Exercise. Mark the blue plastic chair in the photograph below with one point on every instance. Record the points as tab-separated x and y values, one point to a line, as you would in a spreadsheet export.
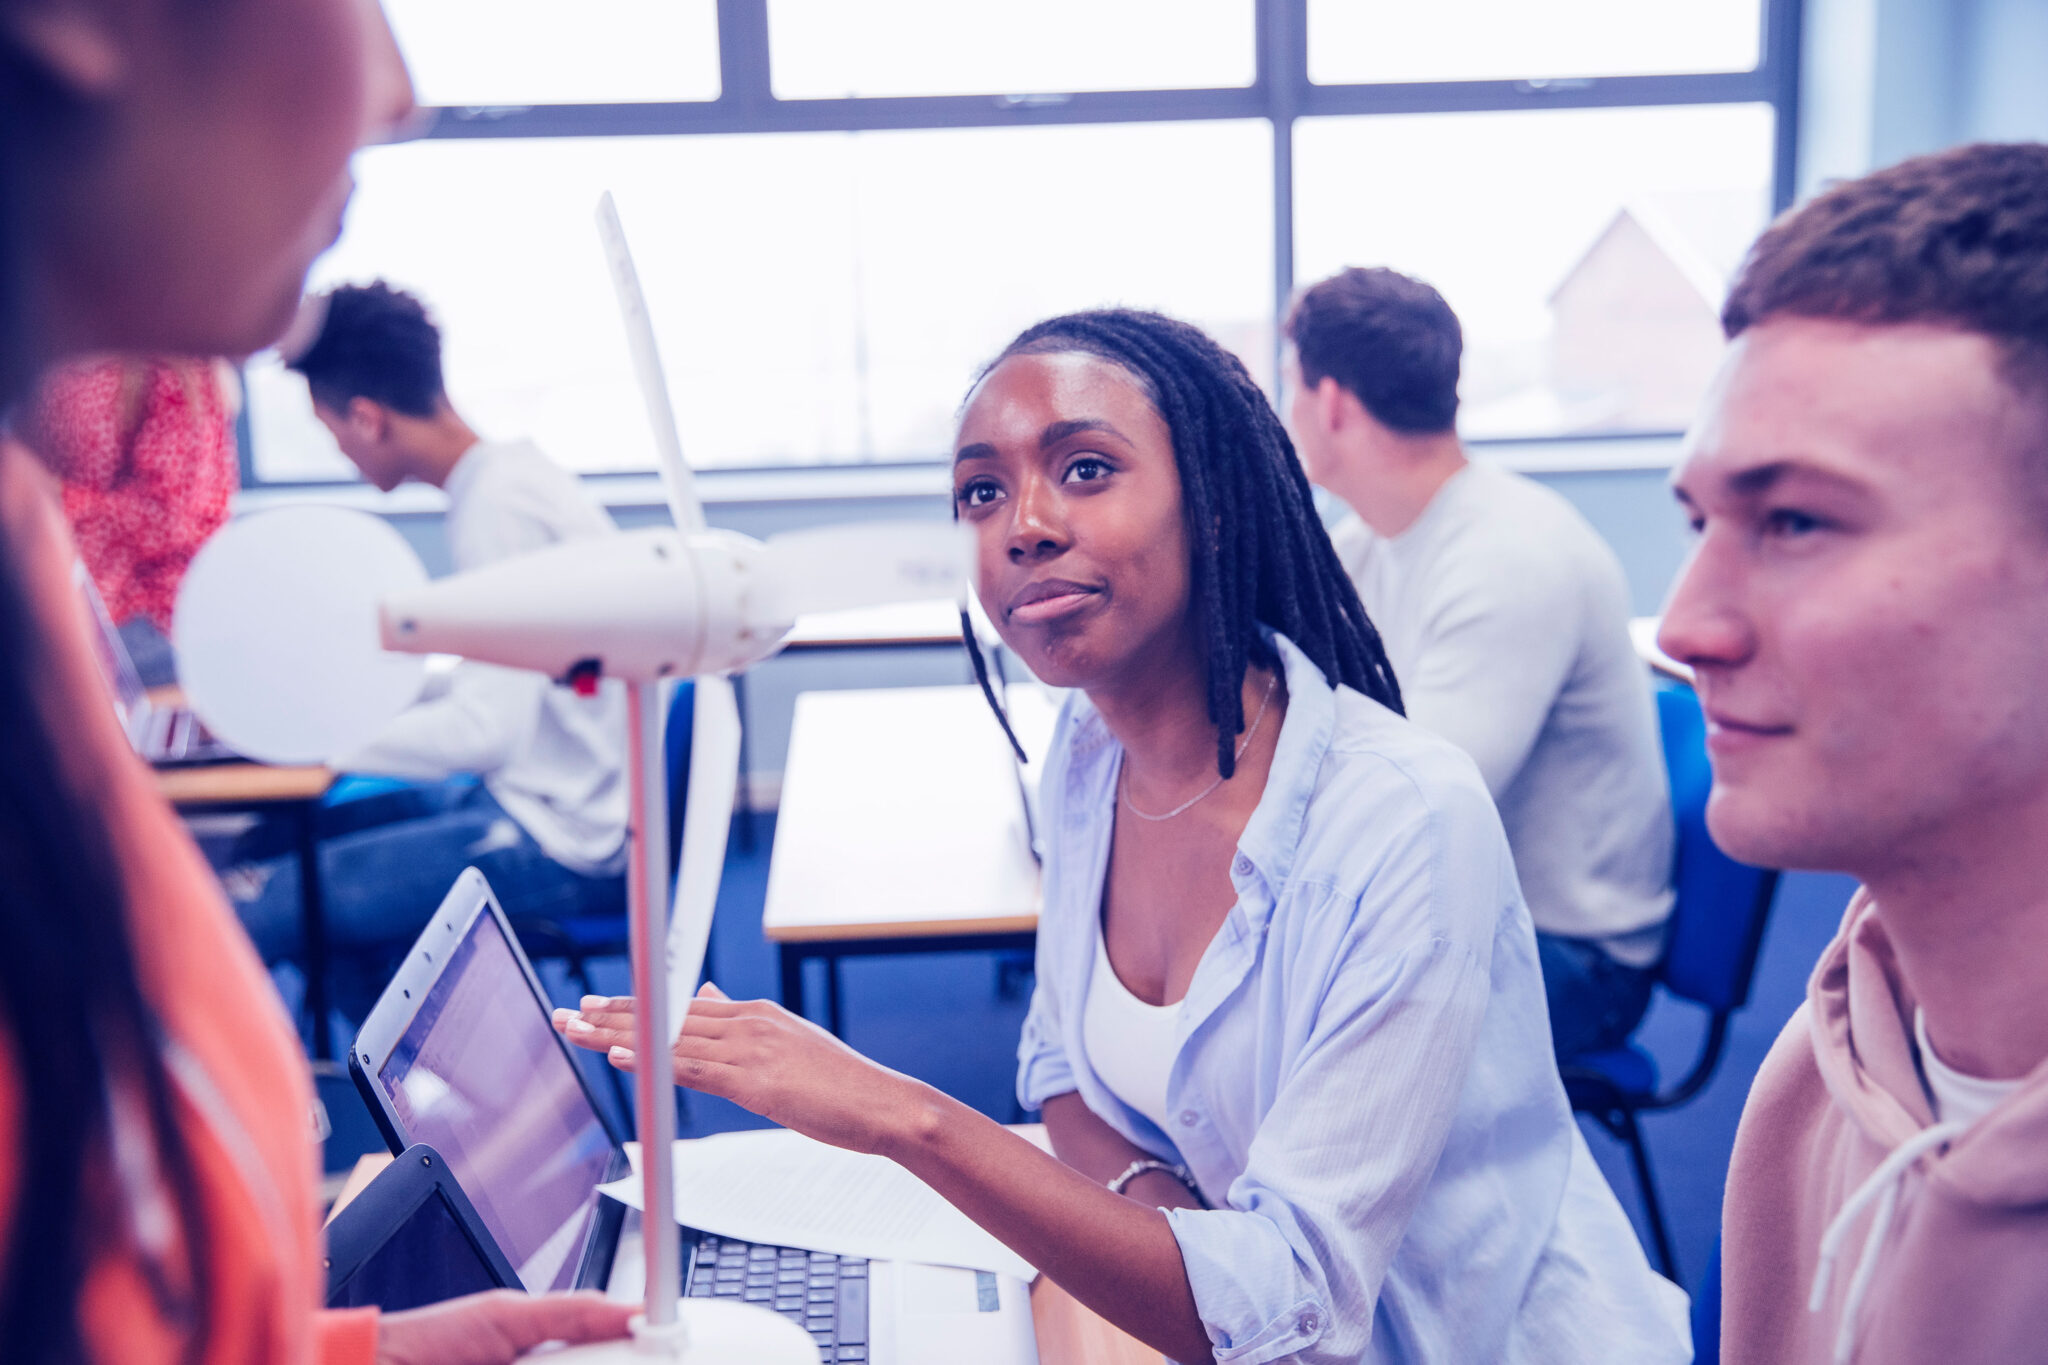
1717	927
1706	1312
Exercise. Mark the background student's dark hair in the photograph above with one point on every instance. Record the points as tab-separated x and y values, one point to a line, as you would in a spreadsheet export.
1390	341
1260	555
1958	238
375	342
71	1004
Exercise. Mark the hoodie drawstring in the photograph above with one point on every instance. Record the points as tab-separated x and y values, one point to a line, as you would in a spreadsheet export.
1882	1186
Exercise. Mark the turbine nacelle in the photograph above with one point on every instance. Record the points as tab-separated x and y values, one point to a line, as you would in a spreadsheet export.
661	603
641	605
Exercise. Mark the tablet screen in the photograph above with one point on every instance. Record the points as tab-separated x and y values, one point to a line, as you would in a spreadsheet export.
480	1075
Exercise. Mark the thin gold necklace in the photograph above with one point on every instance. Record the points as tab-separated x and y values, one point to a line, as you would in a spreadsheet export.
1124	775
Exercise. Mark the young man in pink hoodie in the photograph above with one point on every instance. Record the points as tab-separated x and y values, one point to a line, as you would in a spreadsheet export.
1866	608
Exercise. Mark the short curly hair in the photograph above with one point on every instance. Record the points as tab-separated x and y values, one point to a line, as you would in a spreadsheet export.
375	342
1958	239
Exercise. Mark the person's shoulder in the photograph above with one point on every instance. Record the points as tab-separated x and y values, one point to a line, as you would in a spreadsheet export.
1351	538
1788	1086
518	462
1373	745
1400	832
1382	773
518	477
1523	540
1522	515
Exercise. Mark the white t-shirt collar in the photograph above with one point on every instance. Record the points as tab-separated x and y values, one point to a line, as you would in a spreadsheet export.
1958	1097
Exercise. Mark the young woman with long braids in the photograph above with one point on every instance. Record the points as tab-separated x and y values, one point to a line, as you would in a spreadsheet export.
1289	1035
168	170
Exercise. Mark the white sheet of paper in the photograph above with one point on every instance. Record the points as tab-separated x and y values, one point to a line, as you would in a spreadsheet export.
776	1186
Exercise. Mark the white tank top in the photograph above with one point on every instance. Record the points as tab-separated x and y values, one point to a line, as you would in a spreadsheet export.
1130	1043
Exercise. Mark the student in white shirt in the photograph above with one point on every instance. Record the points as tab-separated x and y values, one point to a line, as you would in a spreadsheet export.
548	823
1288	1031
1506	617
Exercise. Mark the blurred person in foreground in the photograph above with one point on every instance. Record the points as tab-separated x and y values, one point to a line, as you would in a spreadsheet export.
1866	609
1506	616
167	173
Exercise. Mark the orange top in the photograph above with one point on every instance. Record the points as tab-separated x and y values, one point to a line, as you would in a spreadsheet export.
240	1082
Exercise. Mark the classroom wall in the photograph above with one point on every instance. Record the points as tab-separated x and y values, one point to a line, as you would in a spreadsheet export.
1887	79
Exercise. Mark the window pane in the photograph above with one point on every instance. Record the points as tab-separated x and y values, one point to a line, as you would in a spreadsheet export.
519	52
818	297
830	49
1359	42
1586	251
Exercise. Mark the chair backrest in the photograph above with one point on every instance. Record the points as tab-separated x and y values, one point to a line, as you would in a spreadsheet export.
1706	1312
676	735
1717	925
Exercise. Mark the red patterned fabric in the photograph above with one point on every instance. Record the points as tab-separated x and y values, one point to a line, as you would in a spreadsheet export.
146	452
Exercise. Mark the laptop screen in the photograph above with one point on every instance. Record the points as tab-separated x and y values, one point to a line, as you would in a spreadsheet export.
118	668
479	1074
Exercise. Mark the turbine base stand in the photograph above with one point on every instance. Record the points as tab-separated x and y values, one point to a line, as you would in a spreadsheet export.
707	1333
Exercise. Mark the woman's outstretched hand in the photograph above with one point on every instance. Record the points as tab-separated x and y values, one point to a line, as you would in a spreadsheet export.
765	1059
496	1328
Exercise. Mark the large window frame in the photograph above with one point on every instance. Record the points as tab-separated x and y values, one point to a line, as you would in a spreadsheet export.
1280	94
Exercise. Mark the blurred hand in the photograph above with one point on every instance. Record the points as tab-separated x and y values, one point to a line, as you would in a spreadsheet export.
765	1059
497	1328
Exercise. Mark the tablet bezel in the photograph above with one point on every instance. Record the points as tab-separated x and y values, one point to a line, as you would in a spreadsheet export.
366	1224
468	899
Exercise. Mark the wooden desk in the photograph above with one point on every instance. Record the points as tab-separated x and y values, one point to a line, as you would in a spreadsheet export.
897	625
292	793
902	830
241	785
1069	1333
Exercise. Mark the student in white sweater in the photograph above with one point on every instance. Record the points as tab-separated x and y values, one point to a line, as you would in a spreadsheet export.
549	822
1506	618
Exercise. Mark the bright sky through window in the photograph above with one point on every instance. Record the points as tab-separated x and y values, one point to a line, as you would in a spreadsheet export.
521	52
1363	42
824	297
1513	217
833	49
819	298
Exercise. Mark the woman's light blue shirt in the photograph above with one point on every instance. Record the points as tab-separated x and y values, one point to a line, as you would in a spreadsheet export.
1362	1082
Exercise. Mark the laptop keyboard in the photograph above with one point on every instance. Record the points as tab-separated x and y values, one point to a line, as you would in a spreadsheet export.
824	1294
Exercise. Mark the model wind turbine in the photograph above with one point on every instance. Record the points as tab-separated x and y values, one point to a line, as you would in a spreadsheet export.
650	607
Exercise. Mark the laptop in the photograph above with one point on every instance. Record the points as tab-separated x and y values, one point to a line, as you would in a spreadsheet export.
460	1053
165	736
411	1238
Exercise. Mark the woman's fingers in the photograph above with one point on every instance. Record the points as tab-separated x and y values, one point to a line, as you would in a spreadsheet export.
609	1010
579	1029
609	1023
529	1320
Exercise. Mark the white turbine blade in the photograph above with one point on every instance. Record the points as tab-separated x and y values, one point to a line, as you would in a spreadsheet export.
868	564
681	484
707	818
